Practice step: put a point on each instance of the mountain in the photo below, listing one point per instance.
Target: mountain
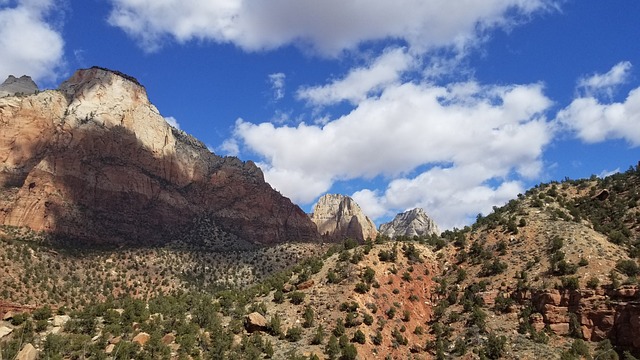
(94, 162)
(23, 85)
(414, 222)
(339, 217)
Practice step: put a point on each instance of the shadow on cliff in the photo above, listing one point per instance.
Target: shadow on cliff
(105, 189)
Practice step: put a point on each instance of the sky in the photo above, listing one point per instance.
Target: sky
(452, 106)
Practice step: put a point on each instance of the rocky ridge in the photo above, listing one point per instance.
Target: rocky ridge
(339, 216)
(414, 222)
(95, 162)
(23, 85)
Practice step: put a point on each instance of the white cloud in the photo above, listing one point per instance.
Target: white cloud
(277, 85)
(495, 131)
(594, 121)
(29, 45)
(605, 83)
(360, 82)
(172, 121)
(604, 173)
(451, 196)
(328, 27)
(300, 187)
(230, 147)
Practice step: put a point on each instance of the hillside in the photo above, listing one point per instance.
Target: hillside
(552, 274)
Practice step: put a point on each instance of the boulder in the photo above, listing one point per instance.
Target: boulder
(28, 352)
(141, 338)
(305, 284)
(255, 322)
(60, 320)
(4, 331)
(168, 339)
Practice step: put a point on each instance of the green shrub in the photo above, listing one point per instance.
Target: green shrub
(296, 297)
(628, 267)
(294, 334)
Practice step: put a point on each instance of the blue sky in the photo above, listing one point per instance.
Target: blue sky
(450, 106)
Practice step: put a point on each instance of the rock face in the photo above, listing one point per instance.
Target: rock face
(339, 217)
(600, 314)
(95, 162)
(410, 223)
(28, 352)
(23, 85)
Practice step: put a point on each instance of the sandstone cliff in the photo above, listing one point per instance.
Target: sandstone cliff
(94, 161)
(338, 217)
(410, 223)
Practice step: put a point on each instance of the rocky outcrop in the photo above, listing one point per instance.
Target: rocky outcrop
(18, 86)
(142, 338)
(410, 223)
(95, 162)
(339, 217)
(255, 322)
(28, 352)
(600, 314)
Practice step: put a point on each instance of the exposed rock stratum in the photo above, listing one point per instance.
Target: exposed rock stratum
(94, 161)
(414, 222)
(338, 217)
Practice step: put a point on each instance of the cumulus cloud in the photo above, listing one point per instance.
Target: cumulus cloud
(328, 27)
(277, 84)
(451, 196)
(230, 147)
(605, 83)
(361, 81)
(30, 45)
(498, 129)
(172, 121)
(594, 120)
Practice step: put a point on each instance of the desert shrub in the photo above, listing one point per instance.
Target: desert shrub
(494, 347)
(593, 282)
(628, 267)
(318, 336)
(308, 317)
(296, 297)
(570, 282)
(361, 288)
(294, 334)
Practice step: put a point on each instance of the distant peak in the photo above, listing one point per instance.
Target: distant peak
(22, 85)
(414, 222)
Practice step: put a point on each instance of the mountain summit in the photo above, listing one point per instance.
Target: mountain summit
(410, 223)
(339, 217)
(23, 85)
(94, 161)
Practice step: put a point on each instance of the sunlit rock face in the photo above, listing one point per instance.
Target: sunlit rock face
(94, 161)
(339, 217)
(410, 223)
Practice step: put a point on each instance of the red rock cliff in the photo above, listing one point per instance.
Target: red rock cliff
(94, 161)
